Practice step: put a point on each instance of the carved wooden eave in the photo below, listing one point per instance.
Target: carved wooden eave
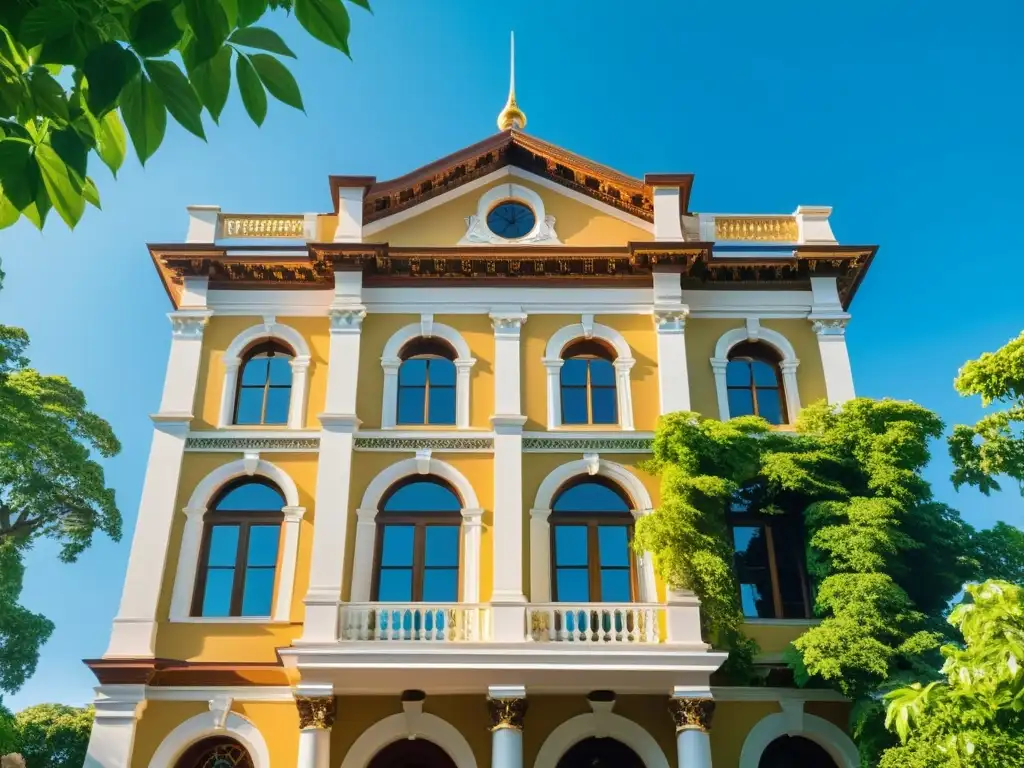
(630, 265)
(628, 194)
(178, 672)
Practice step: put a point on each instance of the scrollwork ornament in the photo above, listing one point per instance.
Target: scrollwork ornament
(507, 713)
(691, 714)
(835, 328)
(315, 711)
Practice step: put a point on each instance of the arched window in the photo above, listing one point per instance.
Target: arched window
(769, 556)
(215, 752)
(754, 382)
(238, 559)
(787, 751)
(412, 753)
(264, 385)
(417, 557)
(600, 753)
(591, 543)
(426, 383)
(588, 384)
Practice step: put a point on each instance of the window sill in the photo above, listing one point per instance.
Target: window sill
(782, 622)
(229, 620)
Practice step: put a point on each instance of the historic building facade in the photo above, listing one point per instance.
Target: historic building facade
(388, 511)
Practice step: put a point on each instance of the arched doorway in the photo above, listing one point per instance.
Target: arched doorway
(600, 753)
(216, 752)
(788, 751)
(412, 753)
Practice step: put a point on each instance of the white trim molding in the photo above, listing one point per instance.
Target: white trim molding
(624, 362)
(391, 362)
(207, 724)
(540, 526)
(366, 523)
(754, 331)
(270, 329)
(192, 536)
(601, 723)
(793, 721)
(478, 233)
(413, 723)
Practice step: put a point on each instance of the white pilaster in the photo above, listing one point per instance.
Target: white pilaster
(113, 731)
(508, 710)
(289, 557)
(670, 325)
(350, 214)
(203, 223)
(297, 404)
(553, 366)
(829, 319)
(540, 556)
(188, 557)
(337, 437)
(788, 368)
(624, 391)
(133, 634)
(812, 225)
(667, 213)
(463, 368)
(472, 530)
(719, 366)
(362, 561)
(226, 417)
(508, 600)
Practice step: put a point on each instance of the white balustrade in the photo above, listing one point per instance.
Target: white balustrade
(594, 622)
(417, 622)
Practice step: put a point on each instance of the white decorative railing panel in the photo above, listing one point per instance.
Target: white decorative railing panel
(416, 622)
(594, 622)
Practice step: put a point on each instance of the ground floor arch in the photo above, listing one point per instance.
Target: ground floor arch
(412, 753)
(593, 752)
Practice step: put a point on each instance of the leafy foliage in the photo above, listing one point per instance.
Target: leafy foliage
(995, 445)
(54, 735)
(22, 633)
(974, 718)
(72, 70)
(884, 557)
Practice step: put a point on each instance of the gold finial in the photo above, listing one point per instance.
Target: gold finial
(512, 117)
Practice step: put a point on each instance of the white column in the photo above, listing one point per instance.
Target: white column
(333, 481)
(692, 713)
(648, 587)
(789, 383)
(362, 563)
(297, 405)
(289, 557)
(133, 634)
(463, 368)
(540, 556)
(228, 390)
(673, 377)
(472, 529)
(188, 558)
(553, 366)
(389, 408)
(624, 390)
(315, 703)
(507, 705)
(113, 731)
(719, 366)
(508, 600)
(835, 360)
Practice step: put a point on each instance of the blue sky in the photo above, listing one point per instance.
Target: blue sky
(903, 116)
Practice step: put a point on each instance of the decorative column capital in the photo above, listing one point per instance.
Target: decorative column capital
(346, 319)
(300, 363)
(507, 713)
(315, 712)
(189, 324)
(624, 364)
(507, 324)
(829, 329)
(690, 714)
(670, 319)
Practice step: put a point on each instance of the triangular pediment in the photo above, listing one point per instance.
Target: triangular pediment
(630, 195)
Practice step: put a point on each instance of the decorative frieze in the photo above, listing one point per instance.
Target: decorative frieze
(451, 444)
(764, 229)
(260, 225)
(507, 713)
(235, 443)
(315, 711)
(588, 444)
(691, 713)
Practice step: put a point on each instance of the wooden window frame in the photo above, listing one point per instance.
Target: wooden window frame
(245, 520)
(419, 520)
(261, 347)
(756, 352)
(593, 522)
(589, 350)
(427, 349)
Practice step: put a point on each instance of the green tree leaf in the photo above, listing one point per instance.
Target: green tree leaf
(362, 4)
(48, 95)
(261, 38)
(22, 633)
(108, 69)
(278, 79)
(250, 11)
(64, 191)
(179, 96)
(145, 116)
(19, 173)
(46, 22)
(212, 82)
(210, 26)
(54, 735)
(326, 20)
(72, 149)
(91, 194)
(253, 96)
(8, 213)
(111, 142)
(152, 29)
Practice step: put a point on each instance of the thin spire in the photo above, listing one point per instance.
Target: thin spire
(512, 117)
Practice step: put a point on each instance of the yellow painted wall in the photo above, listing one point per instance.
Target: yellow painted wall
(576, 223)
(219, 334)
(235, 642)
(774, 638)
(730, 726)
(158, 719)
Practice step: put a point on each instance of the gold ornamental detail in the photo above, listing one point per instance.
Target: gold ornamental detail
(766, 229)
(507, 713)
(258, 225)
(691, 714)
(315, 712)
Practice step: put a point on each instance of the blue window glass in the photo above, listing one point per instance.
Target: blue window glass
(589, 497)
(750, 552)
(426, 390)
(264, 385)
(511, 220)
(587, 384)
(243, 533)
(572, 585)
(423, 496)
(397, 547)
(570, 545)
(754, 383)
